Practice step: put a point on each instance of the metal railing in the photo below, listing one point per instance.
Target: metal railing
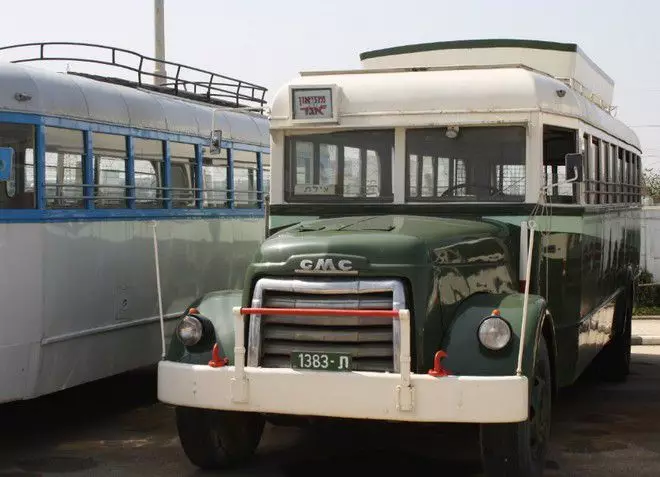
(211, 87)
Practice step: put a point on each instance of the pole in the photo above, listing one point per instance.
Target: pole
(159, 29)
(160, 294)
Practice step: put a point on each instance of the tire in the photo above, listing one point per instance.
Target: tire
(218, 439)
(520, 449)
(614, 358)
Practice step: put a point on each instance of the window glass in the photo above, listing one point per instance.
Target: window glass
(109, 170)
(479, 164)
(214, 177)
(182, 159)
(18, 191)
(245, 178)
(64, 168)
(353, 166)
(148, 154)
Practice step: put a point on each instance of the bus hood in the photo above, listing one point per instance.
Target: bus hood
(370, 244)
(440, 261)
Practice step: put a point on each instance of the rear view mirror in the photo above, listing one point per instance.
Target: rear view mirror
(6, 160)
(216, 141)
(573, 163)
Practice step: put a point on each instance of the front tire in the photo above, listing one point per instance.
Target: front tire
(218, 439)
(520, 449)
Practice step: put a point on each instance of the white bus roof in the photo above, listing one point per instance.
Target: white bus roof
(565, 61)
(79, 98)
(387, 96)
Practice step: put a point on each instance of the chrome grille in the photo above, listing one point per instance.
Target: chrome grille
(372, 342)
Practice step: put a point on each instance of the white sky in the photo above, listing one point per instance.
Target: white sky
(270, 41)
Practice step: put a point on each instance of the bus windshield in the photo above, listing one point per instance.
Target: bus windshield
(351, 166)
(472, 164)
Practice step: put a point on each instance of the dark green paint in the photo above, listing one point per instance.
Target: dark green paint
(459, 44)
(456, 270)
(465, 355)
(430, 255)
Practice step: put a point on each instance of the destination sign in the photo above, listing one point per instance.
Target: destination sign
(312, 103)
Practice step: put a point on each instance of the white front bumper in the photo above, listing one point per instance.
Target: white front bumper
(361, 395)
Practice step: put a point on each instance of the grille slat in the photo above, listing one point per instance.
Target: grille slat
(326, 335)
(368, 340)
(361, 350)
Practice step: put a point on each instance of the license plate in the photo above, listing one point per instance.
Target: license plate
(321, 361)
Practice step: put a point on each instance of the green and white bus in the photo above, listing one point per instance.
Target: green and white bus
(454, 236)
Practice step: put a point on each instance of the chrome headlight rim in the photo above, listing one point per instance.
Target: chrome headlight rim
(197, 330)
(495, 318)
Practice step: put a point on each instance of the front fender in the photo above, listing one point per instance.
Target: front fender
(217, 308)
(465, 354)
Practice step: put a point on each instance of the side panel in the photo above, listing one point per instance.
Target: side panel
(92, 304)
(21, 322)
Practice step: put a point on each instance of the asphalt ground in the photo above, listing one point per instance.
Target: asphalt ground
(116, 427)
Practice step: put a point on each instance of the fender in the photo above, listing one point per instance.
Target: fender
(215, 309)
(466, 355)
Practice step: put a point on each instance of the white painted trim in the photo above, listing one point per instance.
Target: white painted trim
(361, 395)
(399, 166)
(533, 158)
(277, 167)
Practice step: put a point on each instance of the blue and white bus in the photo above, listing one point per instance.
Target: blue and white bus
(104, 171)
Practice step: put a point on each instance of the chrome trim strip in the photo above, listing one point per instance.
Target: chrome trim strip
(324, 287)
(108, 328)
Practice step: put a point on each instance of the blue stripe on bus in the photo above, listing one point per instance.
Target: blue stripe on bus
(82, 125)
(66, 215)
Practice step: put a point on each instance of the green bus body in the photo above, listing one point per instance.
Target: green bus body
(458, 270)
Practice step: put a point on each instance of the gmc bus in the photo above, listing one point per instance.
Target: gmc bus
(453, 236)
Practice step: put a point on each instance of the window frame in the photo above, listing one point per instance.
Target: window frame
(385, 168)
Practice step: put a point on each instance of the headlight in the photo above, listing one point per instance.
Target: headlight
(189, 331)
(494, 333)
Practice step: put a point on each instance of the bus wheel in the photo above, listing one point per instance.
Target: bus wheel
(520, 449)
(614, 358)
(218, 439)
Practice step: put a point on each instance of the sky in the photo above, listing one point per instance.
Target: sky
(269, 41)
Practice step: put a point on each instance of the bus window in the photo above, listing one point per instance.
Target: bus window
(64, 168)
(109, 170)
(353, 166)
(183, 174)
(214, 175)
(557, 142)
(18, 191)
(265, 160)
(148, 154)
(245, 178)
(479, 164)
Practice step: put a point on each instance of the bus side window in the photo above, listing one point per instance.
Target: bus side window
(214, 184)
(557, 142)
(183, 174)
(109, 170)
(265, 160)
(18, 191)
(245, 179)
(148, 164)
(64, 168)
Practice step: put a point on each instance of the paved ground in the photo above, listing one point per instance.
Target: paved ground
(646, 331)
(116, 428)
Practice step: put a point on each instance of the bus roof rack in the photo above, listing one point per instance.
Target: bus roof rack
(186, 82)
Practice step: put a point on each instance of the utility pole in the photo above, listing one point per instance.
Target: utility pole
(159, 29)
